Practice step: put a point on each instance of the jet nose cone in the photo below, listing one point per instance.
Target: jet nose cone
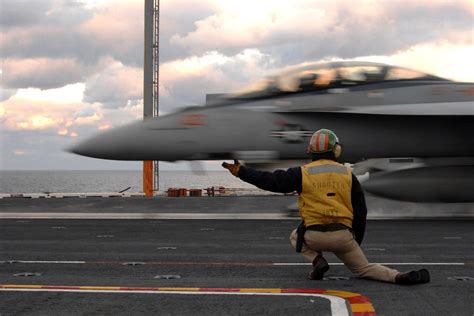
(83, 148)
(95, 147)
(112, 144)
(150, 140)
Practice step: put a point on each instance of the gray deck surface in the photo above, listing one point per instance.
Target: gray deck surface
(378, 208)
(216, 254)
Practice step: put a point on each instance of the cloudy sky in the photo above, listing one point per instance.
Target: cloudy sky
(70, 69)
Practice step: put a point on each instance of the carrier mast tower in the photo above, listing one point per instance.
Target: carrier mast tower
(151, 76)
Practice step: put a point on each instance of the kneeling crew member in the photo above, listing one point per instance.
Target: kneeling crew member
(332, 207)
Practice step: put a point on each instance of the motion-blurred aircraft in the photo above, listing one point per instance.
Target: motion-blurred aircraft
(412, 132)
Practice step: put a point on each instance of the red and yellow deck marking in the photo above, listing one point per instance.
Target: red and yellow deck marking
(360, 305)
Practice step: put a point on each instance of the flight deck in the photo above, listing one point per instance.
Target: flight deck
(214, 256)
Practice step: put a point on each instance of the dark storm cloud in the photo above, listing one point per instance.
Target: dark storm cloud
(62, 31)
(46, 42)
(49, 29)
(68, 29)
(16, 13)
(176, 18)
(64, 42)
(61, 42)
(79, 37)
(42, 73)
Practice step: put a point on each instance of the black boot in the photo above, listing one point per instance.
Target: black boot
(413, 277)
(320, 266)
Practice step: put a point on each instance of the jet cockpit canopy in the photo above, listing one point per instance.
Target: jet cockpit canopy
(321, 76)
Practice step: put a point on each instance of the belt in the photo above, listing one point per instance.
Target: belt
(328, 228)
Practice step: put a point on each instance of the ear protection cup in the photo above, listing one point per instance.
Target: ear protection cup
(337, 150)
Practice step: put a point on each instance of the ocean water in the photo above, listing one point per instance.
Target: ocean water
(109, 181)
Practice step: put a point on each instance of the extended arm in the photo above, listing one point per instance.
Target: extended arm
(278, 181)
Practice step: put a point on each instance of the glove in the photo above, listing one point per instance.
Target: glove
(233, 168)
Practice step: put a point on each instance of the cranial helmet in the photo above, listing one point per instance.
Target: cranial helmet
(322, 141)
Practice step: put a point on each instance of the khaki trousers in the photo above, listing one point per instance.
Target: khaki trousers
(344, 246)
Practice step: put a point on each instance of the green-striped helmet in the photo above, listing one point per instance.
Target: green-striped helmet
(322, 141)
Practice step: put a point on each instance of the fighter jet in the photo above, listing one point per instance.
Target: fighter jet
(410, 131)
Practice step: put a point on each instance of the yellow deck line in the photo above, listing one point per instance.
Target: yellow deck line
(362, 307)
(343, 294)
(21, 286)
(356, 307)
(260, 290)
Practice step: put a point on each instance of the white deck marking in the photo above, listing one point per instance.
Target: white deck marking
(249, 215)
(338, 304)
(383, 263)
(224, 263)
(51, 215)
(43, 261)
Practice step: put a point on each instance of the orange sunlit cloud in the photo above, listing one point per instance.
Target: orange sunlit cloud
(20, 152)
(62, 132)
(36, 122)
(25, 114)
(104, 127)
(65, 132)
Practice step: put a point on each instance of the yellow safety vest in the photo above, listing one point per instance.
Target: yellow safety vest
(326, 193)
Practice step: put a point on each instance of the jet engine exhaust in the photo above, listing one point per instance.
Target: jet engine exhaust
(430, 184)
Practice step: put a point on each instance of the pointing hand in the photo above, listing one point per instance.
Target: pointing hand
(233, 168)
